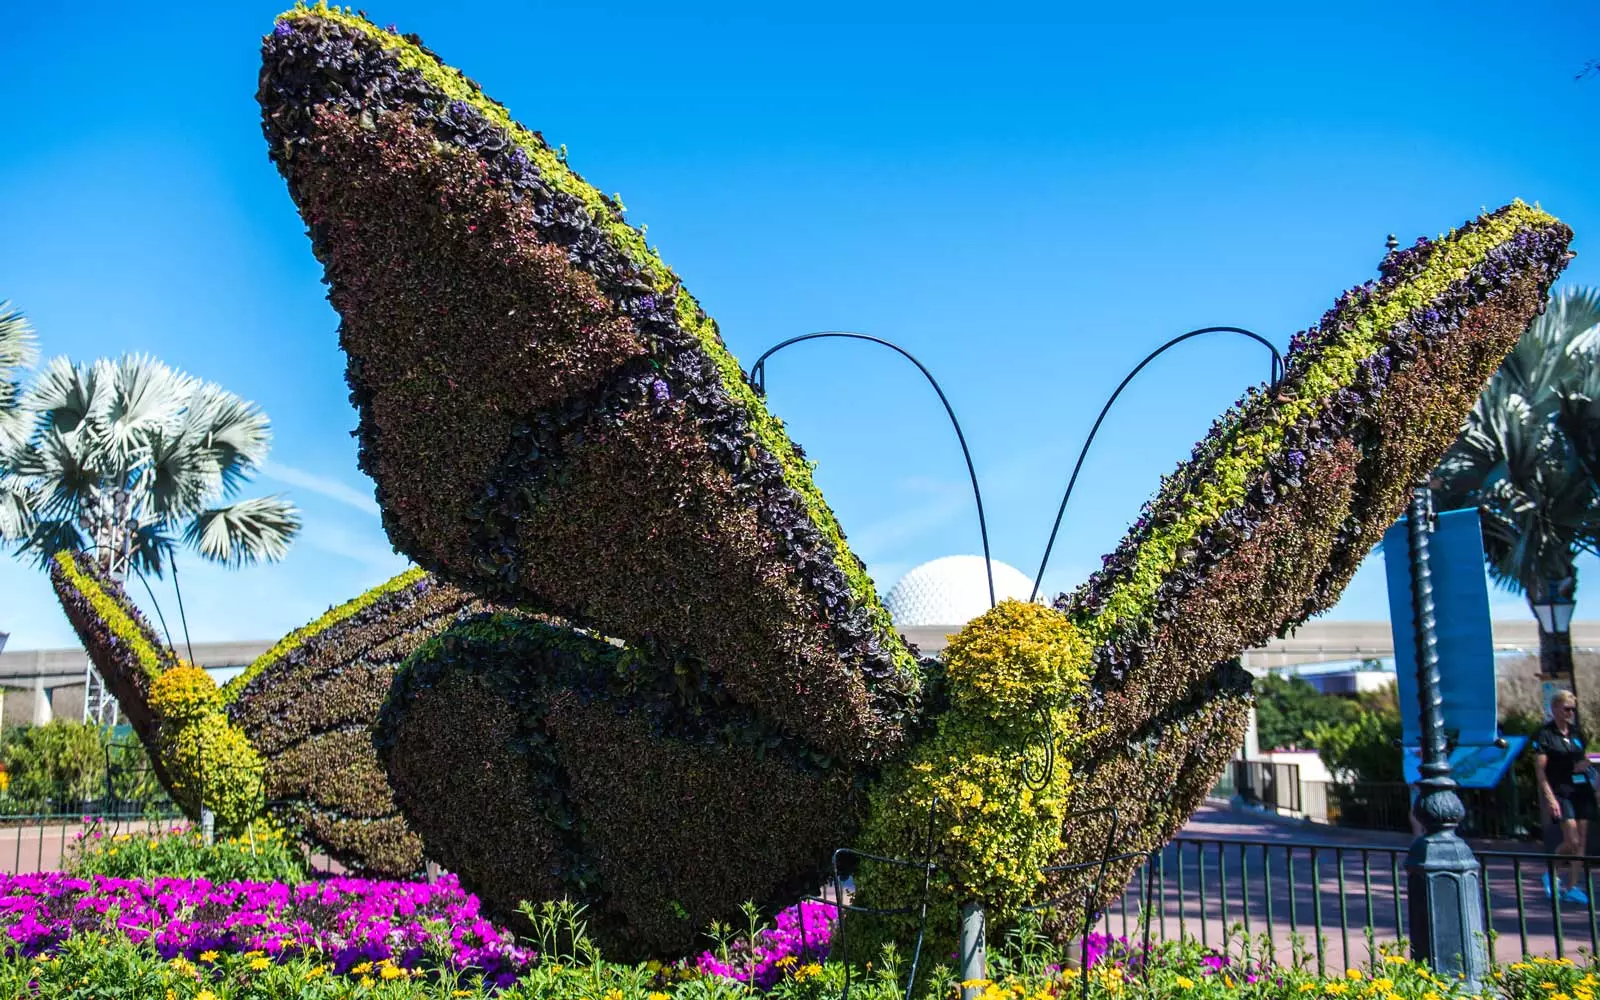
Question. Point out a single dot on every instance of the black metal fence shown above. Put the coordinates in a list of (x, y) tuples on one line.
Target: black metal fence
[(1334, 903)]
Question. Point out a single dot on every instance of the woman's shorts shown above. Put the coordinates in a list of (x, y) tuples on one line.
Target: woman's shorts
[(1577, 802)]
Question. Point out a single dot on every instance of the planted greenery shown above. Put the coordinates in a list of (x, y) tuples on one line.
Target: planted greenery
[(294, 729), (465, 242), (647, 794)]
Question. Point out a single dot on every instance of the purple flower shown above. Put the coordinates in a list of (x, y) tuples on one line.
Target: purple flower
[(660, 391), (282, 29)]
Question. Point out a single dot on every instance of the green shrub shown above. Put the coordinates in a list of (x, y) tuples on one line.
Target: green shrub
[(1289, 711), (61, 762), (260, 852)]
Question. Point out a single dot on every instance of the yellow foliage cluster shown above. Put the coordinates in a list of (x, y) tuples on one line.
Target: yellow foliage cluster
[(184, 694), (996, 805), (210, 761)]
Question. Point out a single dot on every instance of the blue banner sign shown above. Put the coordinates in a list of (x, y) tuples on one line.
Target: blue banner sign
[(1466, 641), (1472, 767)]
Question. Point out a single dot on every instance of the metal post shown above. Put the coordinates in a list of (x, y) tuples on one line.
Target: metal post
[(208, 825), (974, 966), (1443, 880)]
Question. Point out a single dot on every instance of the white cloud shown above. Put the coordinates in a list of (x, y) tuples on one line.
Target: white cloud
[(327, 486)]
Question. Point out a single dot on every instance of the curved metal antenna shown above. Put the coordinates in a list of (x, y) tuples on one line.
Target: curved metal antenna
[(758, 378), (1276, 375), (182, 618)]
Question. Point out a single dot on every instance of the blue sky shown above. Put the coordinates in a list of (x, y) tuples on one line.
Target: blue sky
[(1029, 204)]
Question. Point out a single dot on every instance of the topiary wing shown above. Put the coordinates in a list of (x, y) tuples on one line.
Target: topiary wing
[(1270, 517), (623, 781), (309, 705), (294, 729), (550, 417)]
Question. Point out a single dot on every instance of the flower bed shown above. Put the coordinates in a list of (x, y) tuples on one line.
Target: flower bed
[(343, 922)]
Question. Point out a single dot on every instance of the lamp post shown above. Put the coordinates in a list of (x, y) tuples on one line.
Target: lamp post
[(1553, 605), (1442, 875)]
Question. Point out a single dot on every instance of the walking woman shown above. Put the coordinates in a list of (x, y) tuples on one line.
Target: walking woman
[(1566, 788)]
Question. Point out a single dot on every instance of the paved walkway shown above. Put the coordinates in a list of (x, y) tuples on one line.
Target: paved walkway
[(1232, 871)]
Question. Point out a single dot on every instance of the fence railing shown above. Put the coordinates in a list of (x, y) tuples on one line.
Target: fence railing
[(1491, 813), (1275, 786), (1336, 902)]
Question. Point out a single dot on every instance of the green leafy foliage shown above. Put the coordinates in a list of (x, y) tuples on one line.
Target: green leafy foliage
[(649, 795), (1364, 746), (62, 765), (1289, 711), (260, 852)]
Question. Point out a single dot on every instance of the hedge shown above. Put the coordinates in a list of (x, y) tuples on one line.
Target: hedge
[(550, 417), (646, 793)]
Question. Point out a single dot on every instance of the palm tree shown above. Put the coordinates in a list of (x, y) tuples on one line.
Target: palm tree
[(129, 458), (16, 353), (1527, 459)]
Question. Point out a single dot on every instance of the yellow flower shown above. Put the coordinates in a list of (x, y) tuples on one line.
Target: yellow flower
[(1559, 996), (259, 964), (785, 961), (208, 956), (395, 972), (205, 995), (1383, 984), (366, 980), (1336, 988), (316, 971), (1184, 981), (1307, 987), (468, 993), (1520, 966), (658, 995), (1547, 985), (1395, 960), (1352, 973), (362, 969)]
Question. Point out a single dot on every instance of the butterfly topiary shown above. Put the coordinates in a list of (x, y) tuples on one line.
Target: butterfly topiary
[(661, 682)]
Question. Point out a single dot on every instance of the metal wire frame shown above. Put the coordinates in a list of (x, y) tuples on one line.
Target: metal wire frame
[(1276, 375), (1099, 879), (758, 379), (927, 867)]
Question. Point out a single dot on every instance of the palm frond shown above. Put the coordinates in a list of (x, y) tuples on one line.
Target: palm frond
[(245, 532), (18, 347), (234, 430), (145, 397)]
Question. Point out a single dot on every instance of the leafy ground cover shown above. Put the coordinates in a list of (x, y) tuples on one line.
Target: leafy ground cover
[(262, 853), (178, 939)]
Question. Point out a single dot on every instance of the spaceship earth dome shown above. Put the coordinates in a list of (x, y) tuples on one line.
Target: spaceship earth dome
[(952, 590)]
